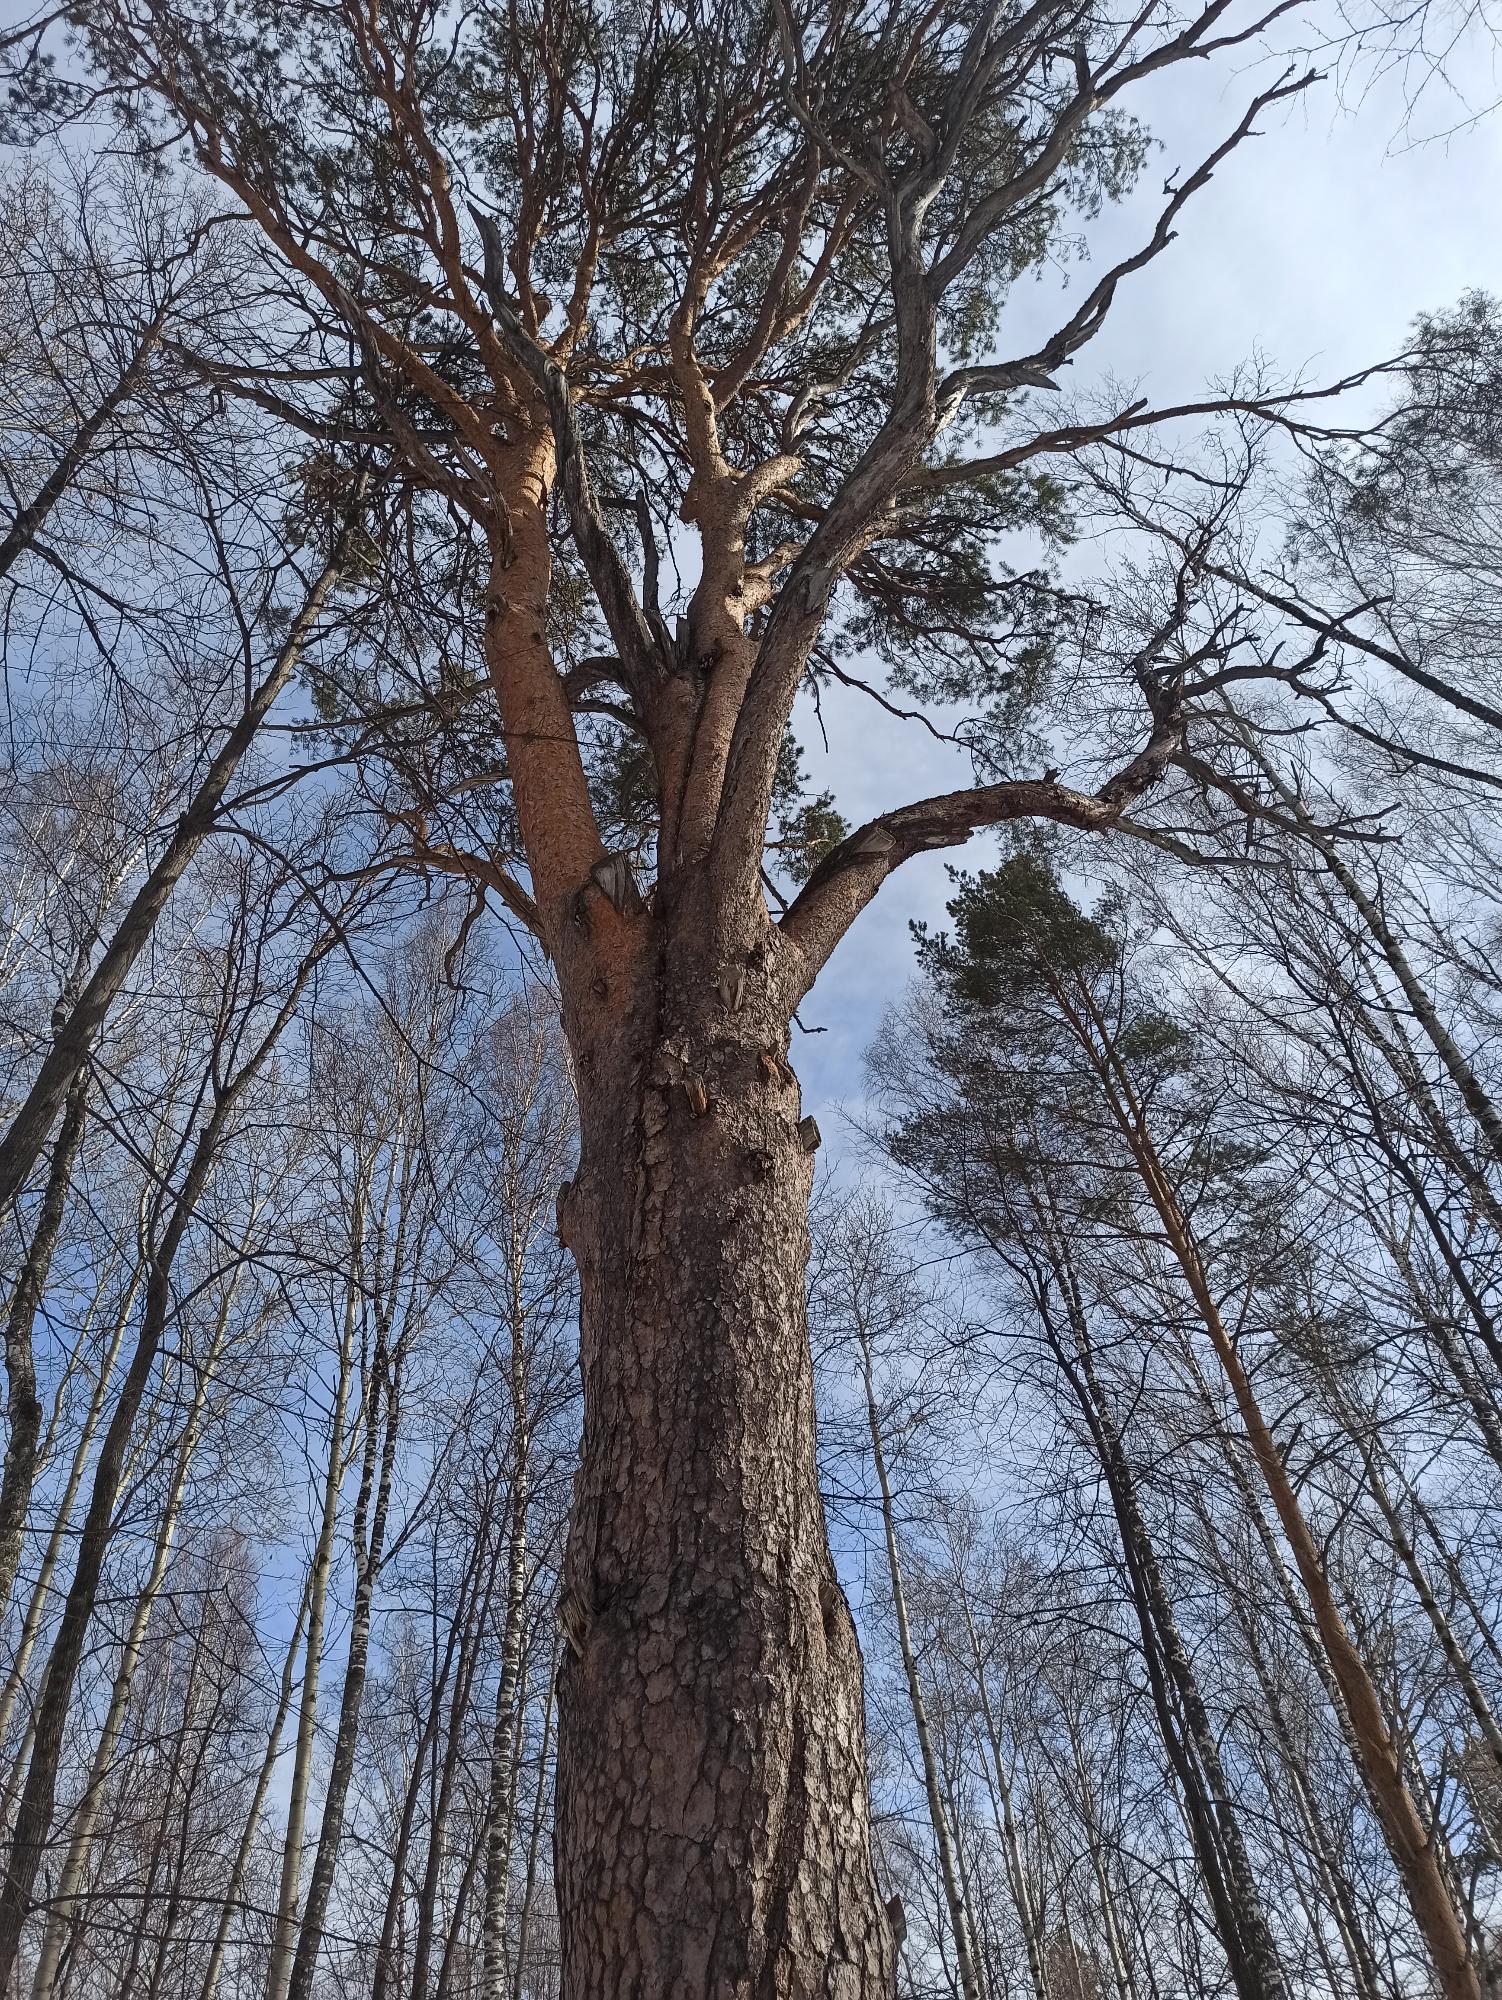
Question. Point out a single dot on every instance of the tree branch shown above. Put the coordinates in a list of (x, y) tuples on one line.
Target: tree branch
[(849, 877)]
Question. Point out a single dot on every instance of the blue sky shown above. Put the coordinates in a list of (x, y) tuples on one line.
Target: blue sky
[(1314, 246)]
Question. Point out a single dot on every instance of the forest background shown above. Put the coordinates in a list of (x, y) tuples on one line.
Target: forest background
[(282, 1554)]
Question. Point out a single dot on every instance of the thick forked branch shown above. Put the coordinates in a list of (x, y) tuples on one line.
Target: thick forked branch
[(641, 657), (502, 484), (849, 877)]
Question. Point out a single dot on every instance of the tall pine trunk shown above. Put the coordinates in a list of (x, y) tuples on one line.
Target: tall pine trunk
[(1410, 1837), (712, 1828)]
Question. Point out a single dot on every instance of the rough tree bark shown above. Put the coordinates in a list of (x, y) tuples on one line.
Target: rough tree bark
[(711, 1784)]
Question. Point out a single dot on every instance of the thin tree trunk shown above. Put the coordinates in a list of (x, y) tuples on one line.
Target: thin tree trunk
[(500, 1812), (1121, 1971), (427, 1908), (534, 1838), (172, 1916), (23, 1405), (955, 1807), (154, 1868), (1213, 1824), (1423, 1589), (999, 1785), (284, 1928), (1472, 1092), (73, 1038), (1452, 1565), (954, 1897), (61, 1906), (1333, 1874), (369, 1535), (464, 1624), (1413, 1182), (32, 518), (229, 1903), (457, 1916), (1337, 1888), (41, 1594), (28, 1844), (1410, 1842)]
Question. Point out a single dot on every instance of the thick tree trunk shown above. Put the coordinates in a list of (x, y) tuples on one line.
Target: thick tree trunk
[(712, 1824)]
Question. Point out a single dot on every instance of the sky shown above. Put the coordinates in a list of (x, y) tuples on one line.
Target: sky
[(1314, 246)]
